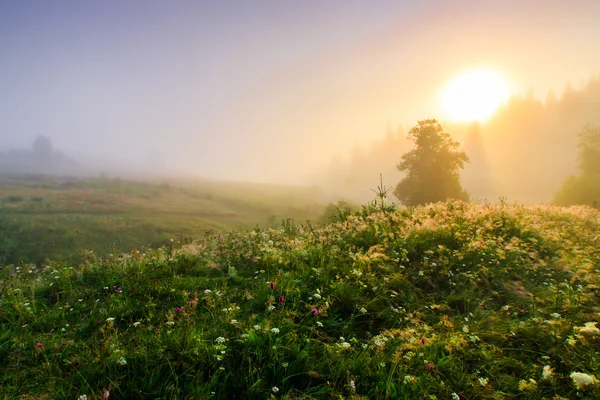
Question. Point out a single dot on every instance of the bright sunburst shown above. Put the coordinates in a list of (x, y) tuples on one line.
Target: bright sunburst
[(474, 95)]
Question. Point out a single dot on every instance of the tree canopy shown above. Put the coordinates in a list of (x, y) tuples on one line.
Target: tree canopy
[(432, 167)]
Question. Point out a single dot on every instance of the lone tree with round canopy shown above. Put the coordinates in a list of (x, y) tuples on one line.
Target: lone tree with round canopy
[(432, 167)]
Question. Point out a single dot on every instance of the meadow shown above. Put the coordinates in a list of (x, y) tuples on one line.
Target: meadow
[(45, 217), (447, 301)]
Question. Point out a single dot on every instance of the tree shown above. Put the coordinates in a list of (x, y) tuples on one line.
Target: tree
[(584, 188), (42, 146), (432, 167)]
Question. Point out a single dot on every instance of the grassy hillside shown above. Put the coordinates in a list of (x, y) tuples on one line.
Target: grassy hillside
[(43, 217), (447, 301)]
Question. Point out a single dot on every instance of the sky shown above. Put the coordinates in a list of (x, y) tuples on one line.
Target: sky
[(265, 91)]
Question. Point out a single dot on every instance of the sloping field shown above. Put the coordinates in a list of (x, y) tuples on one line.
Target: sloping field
[(48, 217), (447, 301)]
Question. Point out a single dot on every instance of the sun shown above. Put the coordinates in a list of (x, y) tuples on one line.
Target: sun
[(474, 95)]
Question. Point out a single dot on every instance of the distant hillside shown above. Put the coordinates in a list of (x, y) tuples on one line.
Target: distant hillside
[(44, 216)]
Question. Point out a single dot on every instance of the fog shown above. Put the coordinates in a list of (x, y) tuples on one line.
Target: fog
[(293, 92)]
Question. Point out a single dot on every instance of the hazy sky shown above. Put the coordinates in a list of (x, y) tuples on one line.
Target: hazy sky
[(264, 90)]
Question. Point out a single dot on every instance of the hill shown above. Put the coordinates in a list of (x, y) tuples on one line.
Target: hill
[(452, 300), (58, 217)]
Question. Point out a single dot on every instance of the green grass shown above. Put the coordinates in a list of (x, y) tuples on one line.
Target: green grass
[(453, 299), (47, 217)]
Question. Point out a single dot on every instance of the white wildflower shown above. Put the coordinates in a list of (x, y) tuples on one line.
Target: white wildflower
[(275, 330), (547, 373), (589, 330), (582, 380)]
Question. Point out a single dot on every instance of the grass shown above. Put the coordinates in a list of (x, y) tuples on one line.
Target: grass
[(48, 217), (452, 300)]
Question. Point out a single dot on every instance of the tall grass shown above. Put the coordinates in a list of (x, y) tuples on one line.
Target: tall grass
[(448, 301)]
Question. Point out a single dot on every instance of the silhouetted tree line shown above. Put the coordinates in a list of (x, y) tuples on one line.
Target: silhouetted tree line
[(525, 152)]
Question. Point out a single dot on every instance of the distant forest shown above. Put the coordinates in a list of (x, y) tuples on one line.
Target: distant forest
[(525, 152)]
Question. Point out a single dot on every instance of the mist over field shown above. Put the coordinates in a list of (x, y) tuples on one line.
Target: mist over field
[(299, 199), (294, 93)]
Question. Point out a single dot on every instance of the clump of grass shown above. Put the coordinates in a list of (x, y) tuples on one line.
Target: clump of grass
[(451, 300), (14, 199)]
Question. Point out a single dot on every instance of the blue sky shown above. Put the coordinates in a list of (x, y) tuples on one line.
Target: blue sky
[(262, 90)]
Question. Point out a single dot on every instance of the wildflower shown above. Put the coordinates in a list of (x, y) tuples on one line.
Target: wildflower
[(344, 345), (582, 380), (38, 346), (83, 397), (430, 367), (110, 319), (220, 339), (275, 389), (352, 385), (106, 394), (483, 381), (280, 299), (455, 396), (122, 361), (408, 379), (319, 324), (256, 327), (362, 311), (317, 296), (527, 386), (314, 311), (275, 330), (233, 322), (272, 285), (589, 330), (547, 373), (207, 291), (136, 323)]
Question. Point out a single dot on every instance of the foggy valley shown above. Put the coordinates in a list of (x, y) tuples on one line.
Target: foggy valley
[(299, 199)]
